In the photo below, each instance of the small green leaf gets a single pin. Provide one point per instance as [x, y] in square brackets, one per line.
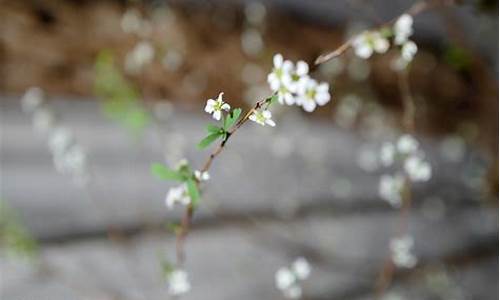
[163, 172]
[232, 118]
[273, 99]
[193, 191]
[213, 129]
[208, 140]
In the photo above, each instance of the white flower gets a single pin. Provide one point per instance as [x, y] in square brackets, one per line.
[60, 139]
[284, 278]
[215, 107]
[280, 79]
[201, 176]
[387, 154]
[369, 41]
[262, 118]
[32, 99]
[417, 168]
[287, 279]
[408, 51]
[390, 188]
[407, 144]
[299, 77]
[403, 29]
[177, 194]
[178, 283]
[311, 94]
[142, 54]
[301, 268]
[131, 21]
[401, 251]
[281, 73]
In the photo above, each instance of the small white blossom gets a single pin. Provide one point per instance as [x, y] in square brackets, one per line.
[401, 251]
[408, 51]
[369, 41]
[263, 118]
[280, 79]
[177, 194]
[301, 268]
[312, 94]
[201, 176]
[178, 283]
[299, 77]
[215, 107]
[407, 144]
[403, 29]
[417, 168]
[284, 278]
[60, 139]
[32, 99]
[287, 279]
[390, 188]
[142, 54]
[387, 154]
[131, 21]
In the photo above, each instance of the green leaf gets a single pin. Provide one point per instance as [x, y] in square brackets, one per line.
[273, 99]
[232, 118]
[193, 191]
[208, 140]
[163, 172]
[213, 129]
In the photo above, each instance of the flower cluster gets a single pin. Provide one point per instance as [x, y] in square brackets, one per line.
[415, 167]
[401, 252]
[287, 279]
[368, 42]
[293, 86]
[68, 156]
[178, 282]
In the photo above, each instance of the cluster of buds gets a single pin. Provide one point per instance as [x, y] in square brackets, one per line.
[288, 279]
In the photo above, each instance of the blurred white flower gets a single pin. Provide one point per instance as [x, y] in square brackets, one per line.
[408, 51]
[387, 154]
[215, 107]
[284, 278]
[301, 268]
[417, 168]
[407, 144]
[142, 55]
[312, 94]
[32, 99]
[252, 42]
[390, 188]
[131, 21]
[179, 195]
[60, 139]
[401, 251]
[201, 176]
[263, 118]
[287, 279]
[178, 283]
[367, 42]
[403, 29]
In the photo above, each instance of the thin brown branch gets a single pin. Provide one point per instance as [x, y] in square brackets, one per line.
[183, 231]
[417, 8]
